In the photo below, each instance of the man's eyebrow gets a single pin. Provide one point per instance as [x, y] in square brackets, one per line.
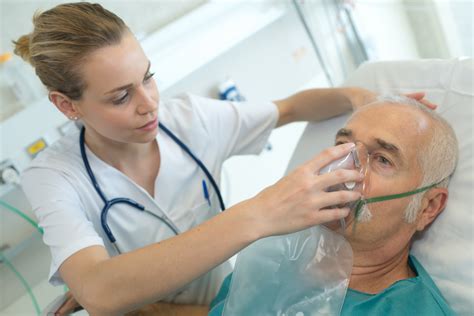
[388, 146]
[344, 132]
[127, 86]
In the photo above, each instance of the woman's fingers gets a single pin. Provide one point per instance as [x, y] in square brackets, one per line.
[338, 176]
[416, 95]
[327, 156]
[325, 200]
[69, 306]
[430, 105]
[330, 215]
[420, 97]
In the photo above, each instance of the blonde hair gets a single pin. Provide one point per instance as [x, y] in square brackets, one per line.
[62, 37]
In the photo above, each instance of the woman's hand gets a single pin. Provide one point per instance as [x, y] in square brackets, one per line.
[360, 97]
[420, 97]
[69, 306]
[300, 200]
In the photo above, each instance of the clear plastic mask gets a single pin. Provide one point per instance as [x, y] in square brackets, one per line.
[358, 159]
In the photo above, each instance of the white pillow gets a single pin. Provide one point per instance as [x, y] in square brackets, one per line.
[446, 249]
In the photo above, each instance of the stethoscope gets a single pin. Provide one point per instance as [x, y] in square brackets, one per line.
[122, 200]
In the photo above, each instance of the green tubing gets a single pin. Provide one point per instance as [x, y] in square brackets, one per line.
[361, 202]
[21, 214]
[4, 259]
[23, 281]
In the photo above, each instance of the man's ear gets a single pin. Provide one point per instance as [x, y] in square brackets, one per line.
[432, 204]
[65, 105]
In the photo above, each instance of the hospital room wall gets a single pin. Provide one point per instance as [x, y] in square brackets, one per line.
[274, 63]
[143, 16]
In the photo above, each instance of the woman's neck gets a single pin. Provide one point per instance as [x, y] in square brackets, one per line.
[118, 154]
[374, 271]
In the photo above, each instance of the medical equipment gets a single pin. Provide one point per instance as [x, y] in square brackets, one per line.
[228, 91]
[301, 274]
[357, 159]
[334, 36]
[382, 198]
[4, 258]
[305, 273]
[121, 200]
[445, 249]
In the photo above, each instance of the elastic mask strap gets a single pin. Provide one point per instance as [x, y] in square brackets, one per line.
[360, 203]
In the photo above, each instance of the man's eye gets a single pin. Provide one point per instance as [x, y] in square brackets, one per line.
[383, 160]
[340, 142]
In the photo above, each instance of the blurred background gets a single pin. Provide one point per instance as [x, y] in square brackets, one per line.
[263, 50]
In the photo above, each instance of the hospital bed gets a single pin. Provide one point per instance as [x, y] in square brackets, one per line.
[446, 249]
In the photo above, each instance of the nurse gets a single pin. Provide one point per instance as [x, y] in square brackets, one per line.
[97, 73]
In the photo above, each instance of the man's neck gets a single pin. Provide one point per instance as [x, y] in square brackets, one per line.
[372, 271]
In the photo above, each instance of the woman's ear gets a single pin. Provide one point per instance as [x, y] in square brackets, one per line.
[64, 104]
[432, 204]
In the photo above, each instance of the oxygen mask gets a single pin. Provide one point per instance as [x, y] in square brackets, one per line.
[358, 159]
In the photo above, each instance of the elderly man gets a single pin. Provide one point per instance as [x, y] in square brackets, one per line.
[410, 147]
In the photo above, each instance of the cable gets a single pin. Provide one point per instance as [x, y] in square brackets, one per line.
[22, 215]
[3, 258]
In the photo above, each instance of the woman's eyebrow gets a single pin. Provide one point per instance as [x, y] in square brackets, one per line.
[127, 86]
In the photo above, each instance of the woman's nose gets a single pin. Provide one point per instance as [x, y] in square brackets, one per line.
[146, 101]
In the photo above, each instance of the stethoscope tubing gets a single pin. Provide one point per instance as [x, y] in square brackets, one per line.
[122, 200]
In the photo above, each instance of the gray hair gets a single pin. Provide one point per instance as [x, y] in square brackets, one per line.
[439, 156]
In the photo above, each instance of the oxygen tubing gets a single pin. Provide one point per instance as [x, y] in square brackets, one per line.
[4, 259]
[23, 281]
[361, 203]
[22, 215]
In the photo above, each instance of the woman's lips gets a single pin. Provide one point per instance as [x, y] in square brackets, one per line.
[149, 126]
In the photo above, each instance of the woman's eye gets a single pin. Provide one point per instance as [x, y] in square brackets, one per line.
[148, 77]
[121, 100]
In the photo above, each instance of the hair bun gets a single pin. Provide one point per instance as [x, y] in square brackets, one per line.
[22, 47]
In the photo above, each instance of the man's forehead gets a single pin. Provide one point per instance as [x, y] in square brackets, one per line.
[400, 116]
[396, 128]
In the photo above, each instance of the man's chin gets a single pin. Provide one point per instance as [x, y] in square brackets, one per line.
[337, 227]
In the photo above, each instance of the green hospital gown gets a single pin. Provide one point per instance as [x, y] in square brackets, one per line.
[413, 296]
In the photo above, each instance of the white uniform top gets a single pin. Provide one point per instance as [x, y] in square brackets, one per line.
[68, 207]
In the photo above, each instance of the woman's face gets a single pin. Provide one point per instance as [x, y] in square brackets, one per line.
[120, 100]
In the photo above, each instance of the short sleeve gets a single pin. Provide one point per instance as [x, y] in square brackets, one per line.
[60, 213]
[238, 128]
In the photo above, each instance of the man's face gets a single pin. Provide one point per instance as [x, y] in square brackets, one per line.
[394, 136]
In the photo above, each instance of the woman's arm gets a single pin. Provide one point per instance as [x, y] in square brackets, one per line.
[112, 286]
[320, 104]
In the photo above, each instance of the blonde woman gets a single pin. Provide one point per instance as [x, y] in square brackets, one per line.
[130, 215]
